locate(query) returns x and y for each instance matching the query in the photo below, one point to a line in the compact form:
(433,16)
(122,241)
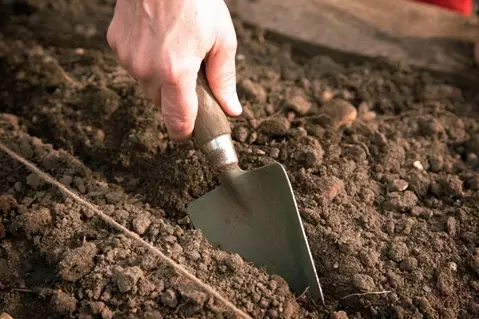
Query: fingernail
(235,105)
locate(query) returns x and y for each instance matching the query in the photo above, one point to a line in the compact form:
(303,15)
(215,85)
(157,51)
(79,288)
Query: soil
(383,159)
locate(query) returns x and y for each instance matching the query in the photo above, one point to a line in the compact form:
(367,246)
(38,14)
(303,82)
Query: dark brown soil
(383,159)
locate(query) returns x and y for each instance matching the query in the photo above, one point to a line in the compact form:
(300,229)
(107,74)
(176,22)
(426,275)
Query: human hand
(162,45)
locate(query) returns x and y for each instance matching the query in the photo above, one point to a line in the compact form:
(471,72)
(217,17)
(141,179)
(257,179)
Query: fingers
(179,105)
(221,72)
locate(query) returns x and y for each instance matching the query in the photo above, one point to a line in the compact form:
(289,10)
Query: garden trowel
(252,213)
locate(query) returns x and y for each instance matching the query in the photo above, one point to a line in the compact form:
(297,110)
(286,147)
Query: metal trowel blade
(255,215)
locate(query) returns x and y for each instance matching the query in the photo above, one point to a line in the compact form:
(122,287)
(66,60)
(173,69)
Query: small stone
(339,315)
(274,152)
(240,133)
(326,95)
(363,282)
(78,262)
(194,255)
(299,104)
(260,152)
(63,302)
(234,262)
(337,113)
(398,185)
(141,224)
(418,165)
(169,298)
(473,183)
(99,135)
(128,278)
(252,91)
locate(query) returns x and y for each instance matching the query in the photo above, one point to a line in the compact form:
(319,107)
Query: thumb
(221,74)
(179,105)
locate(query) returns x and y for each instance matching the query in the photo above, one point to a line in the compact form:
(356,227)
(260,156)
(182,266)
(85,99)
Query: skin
(162,45)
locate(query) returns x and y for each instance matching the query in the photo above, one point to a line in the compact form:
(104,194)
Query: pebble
(299,104)
(418,165)
(274,152)
(260,152)
(398,185)
(141,224)
(234,262)
(240,133)
(337,113)
(194,255)
(128,278)
(252,91)
(326,95)
(364,282)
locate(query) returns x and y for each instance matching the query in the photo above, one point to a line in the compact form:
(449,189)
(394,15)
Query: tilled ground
(382,157)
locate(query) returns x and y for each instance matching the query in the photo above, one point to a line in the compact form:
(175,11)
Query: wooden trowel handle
(212,129)
(211,120)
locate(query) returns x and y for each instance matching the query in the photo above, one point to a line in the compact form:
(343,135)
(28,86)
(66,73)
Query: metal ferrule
(221,152)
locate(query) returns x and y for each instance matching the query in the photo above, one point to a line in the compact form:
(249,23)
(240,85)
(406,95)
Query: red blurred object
(461,6)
